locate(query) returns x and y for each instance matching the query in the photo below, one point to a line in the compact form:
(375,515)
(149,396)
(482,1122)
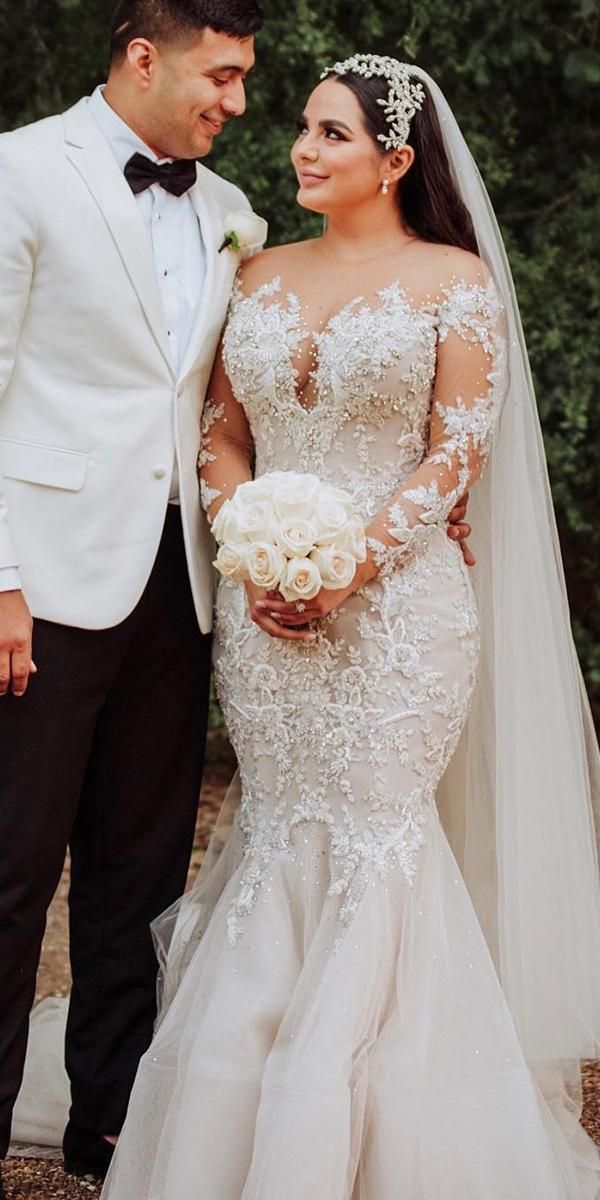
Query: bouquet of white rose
(291,533)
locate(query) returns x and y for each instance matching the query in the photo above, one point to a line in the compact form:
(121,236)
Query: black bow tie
(175,177)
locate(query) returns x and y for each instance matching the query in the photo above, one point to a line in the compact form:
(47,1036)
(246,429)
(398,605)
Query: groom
(112,298)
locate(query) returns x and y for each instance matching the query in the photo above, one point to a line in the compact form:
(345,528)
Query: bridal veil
(520,796)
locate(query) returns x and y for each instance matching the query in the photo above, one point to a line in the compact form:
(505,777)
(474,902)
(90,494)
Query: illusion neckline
(273,287)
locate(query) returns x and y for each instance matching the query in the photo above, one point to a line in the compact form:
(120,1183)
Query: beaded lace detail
(355,730)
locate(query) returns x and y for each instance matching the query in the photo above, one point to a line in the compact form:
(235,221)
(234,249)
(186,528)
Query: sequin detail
(354,731)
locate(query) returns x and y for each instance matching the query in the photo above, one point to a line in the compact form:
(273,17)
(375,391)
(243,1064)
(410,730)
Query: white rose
(330,518)
(336,567)
(338,495)
(247,228)
(265,564)
(254,489)
(296,537)
(295,495)
(301,580)
(256,521)
(353,539)
(225,527)
(231,561)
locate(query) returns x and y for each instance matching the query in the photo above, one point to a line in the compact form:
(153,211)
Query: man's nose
(234,102)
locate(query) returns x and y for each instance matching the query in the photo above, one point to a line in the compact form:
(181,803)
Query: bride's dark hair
(427,195)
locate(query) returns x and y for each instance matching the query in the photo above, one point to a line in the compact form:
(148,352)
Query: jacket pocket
(46,465)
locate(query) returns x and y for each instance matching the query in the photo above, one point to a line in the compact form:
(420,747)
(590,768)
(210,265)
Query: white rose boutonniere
(244,230)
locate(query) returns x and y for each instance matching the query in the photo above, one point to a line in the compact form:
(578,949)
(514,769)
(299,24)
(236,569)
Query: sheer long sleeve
(468,393)
(226,445)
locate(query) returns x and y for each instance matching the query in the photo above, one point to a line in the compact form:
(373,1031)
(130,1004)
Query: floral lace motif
(354,731)
(360,348)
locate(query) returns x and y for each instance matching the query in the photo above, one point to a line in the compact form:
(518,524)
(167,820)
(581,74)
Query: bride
(345,1012)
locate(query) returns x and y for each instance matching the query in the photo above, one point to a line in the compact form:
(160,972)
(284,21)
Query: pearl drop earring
(385,187)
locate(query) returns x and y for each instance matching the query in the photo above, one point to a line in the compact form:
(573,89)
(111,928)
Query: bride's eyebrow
(326,123)
(333,123)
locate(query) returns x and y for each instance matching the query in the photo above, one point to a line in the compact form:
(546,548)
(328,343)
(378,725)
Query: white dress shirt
(177,248)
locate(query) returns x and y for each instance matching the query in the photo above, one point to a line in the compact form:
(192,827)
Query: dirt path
(36,1179)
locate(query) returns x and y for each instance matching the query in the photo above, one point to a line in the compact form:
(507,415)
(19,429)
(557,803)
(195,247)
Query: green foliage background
(522,79)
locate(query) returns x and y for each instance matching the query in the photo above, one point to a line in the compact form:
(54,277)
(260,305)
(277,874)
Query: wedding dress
(334,1025)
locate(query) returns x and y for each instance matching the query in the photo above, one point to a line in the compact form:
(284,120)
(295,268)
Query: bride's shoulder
(443,268)
(269,264)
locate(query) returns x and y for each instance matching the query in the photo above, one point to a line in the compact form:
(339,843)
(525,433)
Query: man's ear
(141,61)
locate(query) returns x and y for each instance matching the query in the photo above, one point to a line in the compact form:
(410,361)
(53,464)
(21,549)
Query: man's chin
(203,144)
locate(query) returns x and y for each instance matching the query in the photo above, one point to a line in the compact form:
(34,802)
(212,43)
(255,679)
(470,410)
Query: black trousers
(103,753)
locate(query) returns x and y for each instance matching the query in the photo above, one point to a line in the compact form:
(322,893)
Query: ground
(44,1179)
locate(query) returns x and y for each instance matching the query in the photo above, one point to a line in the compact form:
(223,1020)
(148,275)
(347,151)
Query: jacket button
(159,472)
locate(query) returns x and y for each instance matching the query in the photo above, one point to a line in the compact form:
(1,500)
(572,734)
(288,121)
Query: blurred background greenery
(523,80)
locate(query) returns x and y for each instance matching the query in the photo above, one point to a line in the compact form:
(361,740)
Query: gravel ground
(34,1178)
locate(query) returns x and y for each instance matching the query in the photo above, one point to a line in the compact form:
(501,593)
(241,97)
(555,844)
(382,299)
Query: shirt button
(159,472)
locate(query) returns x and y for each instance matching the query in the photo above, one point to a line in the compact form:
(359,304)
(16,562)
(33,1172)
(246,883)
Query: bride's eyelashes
(327,129)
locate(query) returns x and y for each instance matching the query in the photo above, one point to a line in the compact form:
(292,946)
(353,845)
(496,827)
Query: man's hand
(15,644)
(459,529)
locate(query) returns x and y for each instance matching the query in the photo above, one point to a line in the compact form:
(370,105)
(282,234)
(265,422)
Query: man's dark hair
(164,21)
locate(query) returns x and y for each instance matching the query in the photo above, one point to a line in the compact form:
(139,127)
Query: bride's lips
(310,179)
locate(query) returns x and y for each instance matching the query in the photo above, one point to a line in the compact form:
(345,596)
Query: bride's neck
(356,236)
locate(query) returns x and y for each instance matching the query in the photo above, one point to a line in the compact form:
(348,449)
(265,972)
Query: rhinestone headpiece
(404,96)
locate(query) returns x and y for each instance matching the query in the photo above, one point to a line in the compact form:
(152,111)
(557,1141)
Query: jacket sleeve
(18,243)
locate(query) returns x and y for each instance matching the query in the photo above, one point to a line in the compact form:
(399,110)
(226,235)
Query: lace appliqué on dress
(211,414)
(461,429)
(354,731)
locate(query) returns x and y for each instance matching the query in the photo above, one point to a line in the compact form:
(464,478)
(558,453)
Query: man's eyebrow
(218,67)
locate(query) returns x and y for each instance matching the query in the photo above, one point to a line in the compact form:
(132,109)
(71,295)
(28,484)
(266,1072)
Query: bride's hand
(260,605)
(290,615)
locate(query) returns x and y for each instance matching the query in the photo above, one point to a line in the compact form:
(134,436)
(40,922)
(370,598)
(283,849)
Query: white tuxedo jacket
(87,384)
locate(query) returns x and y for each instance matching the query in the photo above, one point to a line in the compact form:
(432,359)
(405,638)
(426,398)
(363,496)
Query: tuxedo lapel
(90,154)
(220,269)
